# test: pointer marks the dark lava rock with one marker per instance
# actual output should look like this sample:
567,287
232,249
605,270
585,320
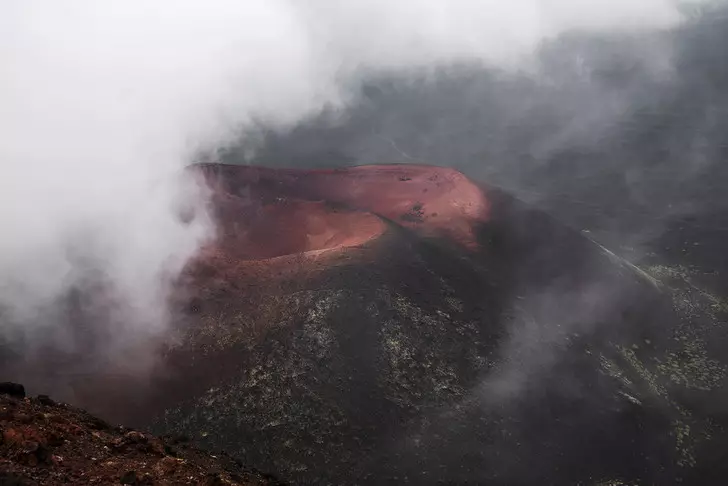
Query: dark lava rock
45,400
11,479
12,389
129,477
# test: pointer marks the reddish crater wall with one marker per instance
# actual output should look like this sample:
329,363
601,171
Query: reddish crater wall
264,212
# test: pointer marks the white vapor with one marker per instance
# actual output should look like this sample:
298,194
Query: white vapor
103,102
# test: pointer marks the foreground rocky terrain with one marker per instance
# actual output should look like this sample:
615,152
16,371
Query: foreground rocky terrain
48,443
404,325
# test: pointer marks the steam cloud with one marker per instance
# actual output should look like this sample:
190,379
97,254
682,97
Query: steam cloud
103,103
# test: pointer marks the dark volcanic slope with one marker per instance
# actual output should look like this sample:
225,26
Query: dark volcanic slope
46,443
519,354
399,324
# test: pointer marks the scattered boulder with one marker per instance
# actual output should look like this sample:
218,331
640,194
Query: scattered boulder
12,389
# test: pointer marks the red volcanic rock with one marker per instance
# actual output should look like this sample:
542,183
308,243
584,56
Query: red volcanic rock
45,443
275,225
287,227
267,205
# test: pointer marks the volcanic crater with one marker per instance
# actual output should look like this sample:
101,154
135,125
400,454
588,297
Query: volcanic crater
401,324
